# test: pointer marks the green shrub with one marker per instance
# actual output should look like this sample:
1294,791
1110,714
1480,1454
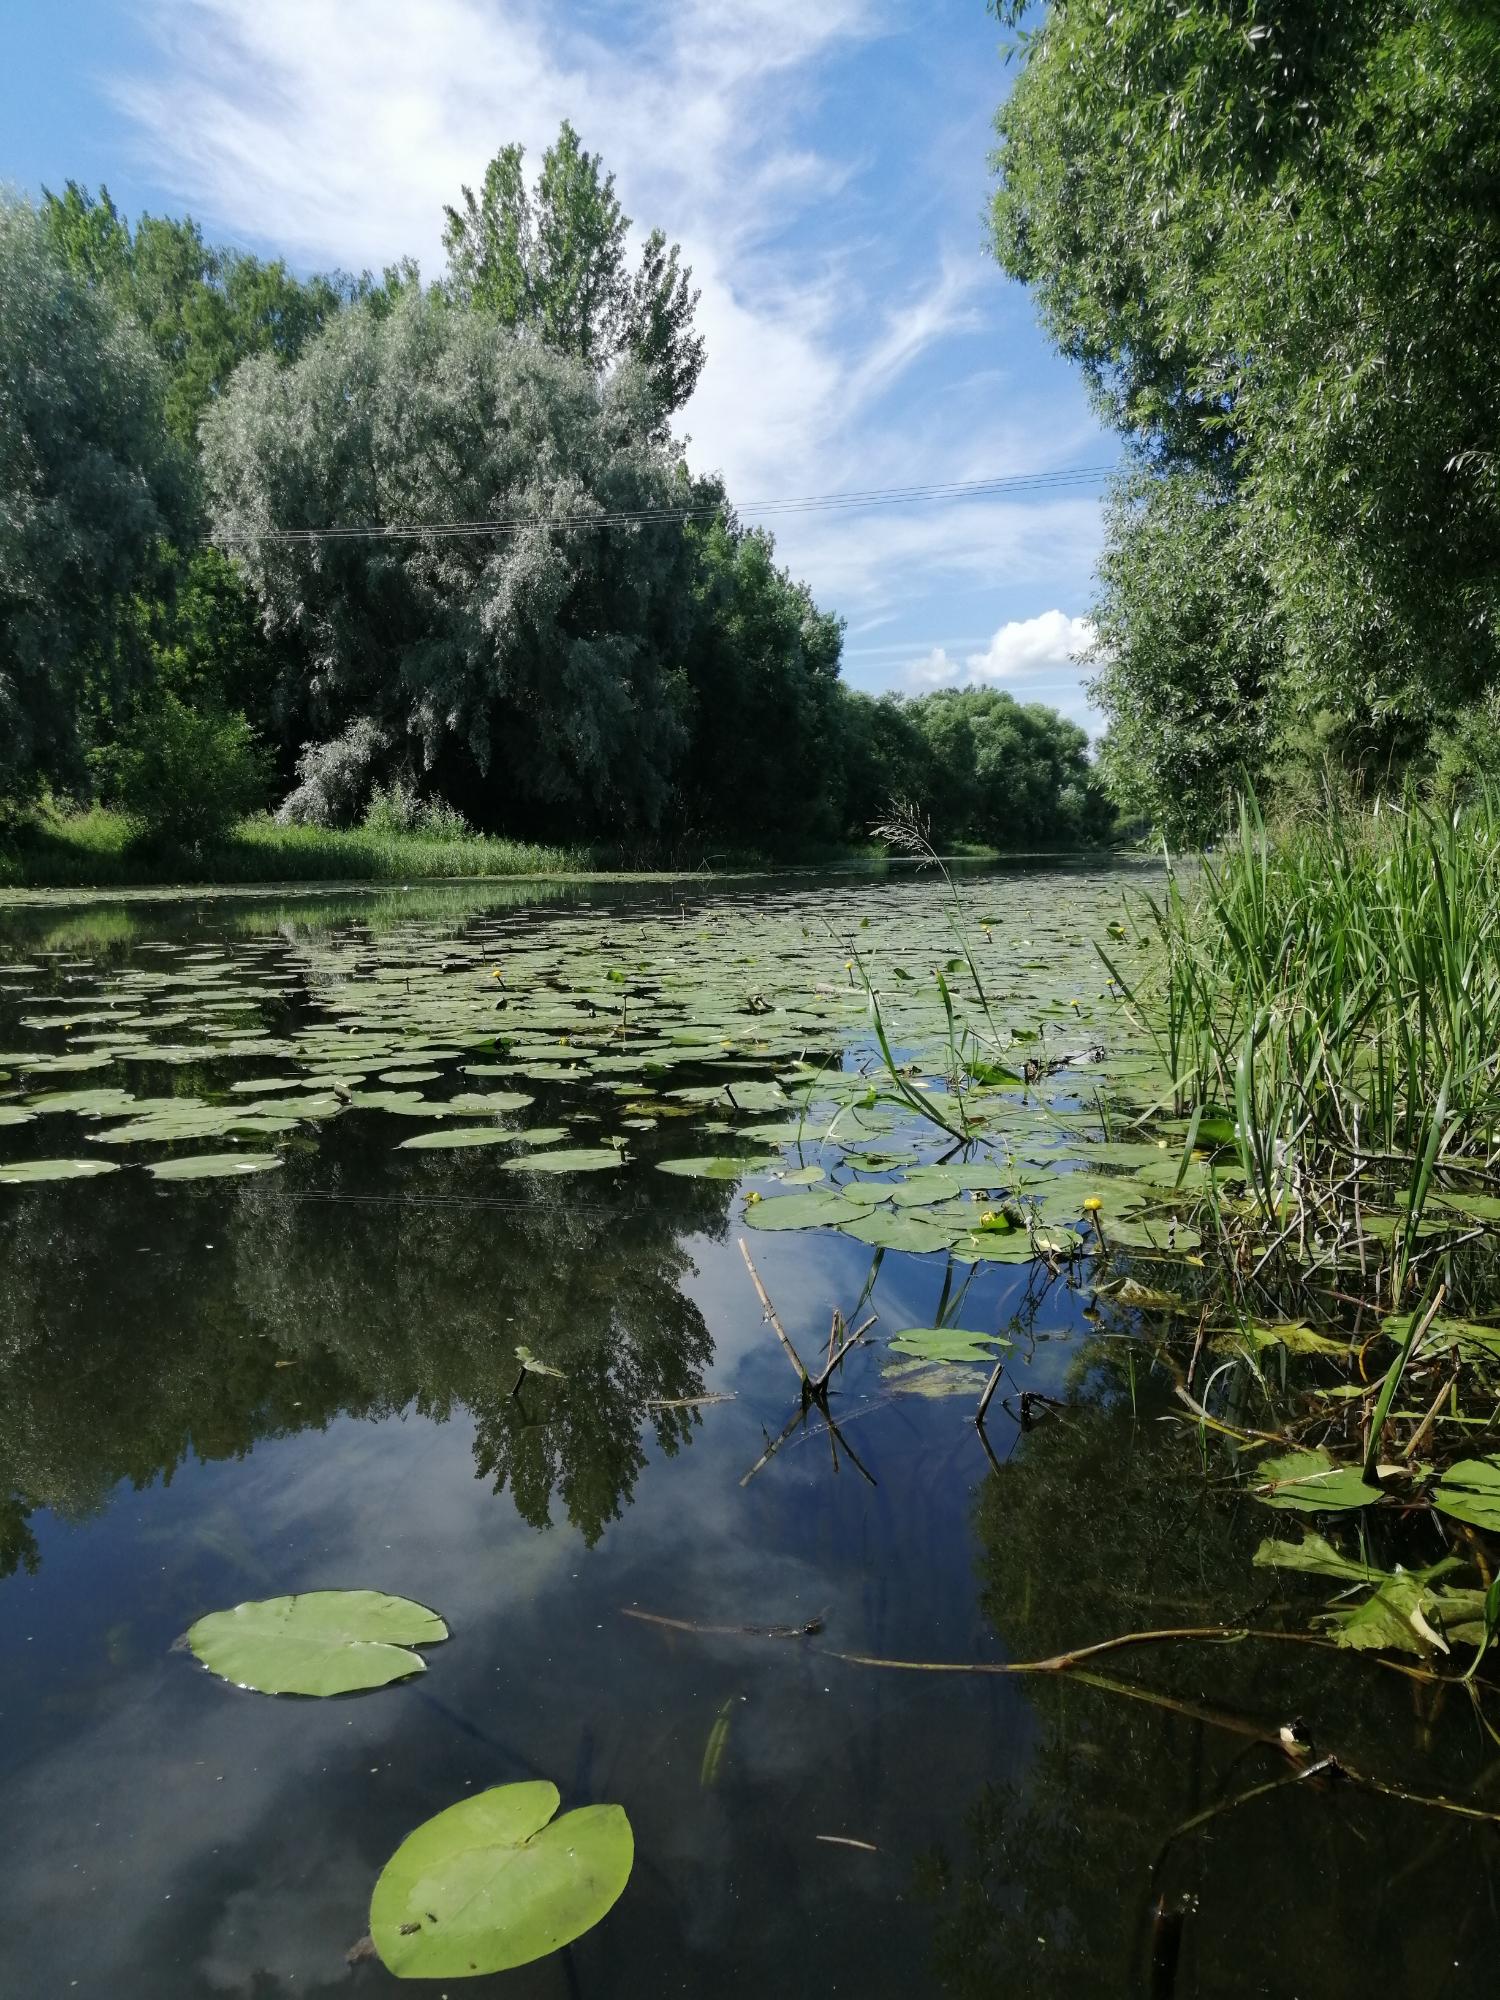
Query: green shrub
398,808
183,778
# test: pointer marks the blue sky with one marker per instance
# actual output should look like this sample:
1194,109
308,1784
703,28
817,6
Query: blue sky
824,163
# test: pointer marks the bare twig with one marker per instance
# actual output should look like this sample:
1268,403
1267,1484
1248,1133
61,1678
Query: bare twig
770,1312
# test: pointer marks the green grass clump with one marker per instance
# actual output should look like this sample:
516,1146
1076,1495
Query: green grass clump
1335,991
96,849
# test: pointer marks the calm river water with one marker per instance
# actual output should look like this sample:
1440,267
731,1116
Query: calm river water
230,1388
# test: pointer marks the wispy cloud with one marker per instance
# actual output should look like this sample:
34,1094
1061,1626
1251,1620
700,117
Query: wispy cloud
1032,658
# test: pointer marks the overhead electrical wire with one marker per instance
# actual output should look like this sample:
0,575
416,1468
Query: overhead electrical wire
882,496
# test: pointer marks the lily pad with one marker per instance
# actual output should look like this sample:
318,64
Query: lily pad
496,1881
320,1642
567,1160
447,1138
946,1343
214,1166
17,1171
720,1167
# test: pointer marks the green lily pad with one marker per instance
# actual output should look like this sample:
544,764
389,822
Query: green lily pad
720,1167
567,1160
447,1138
496,1881
320,1642
1312,1483
946,1343
214,1166
17,1171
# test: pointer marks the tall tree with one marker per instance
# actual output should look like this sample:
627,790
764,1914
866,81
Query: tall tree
203,308
1269,235
554,265
90,485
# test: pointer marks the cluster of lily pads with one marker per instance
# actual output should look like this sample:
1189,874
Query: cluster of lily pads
492,1882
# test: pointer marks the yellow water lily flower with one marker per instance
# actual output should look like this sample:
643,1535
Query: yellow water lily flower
1092,1204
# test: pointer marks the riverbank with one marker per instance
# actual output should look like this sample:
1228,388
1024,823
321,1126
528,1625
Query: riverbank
95,850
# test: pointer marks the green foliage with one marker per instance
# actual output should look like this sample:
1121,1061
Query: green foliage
202,308
399,808
184,777
89,487
553,265
1270,241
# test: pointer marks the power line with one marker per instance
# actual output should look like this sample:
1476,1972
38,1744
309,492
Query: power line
880,496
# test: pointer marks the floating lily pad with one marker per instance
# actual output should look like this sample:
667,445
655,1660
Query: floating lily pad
453,1137
947,1343
214,1166
320,1642
496,1881
720,1167
17,1171
567,1160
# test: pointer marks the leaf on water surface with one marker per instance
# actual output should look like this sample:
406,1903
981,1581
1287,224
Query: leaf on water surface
1470,1491
817,1208
720,1167
1312,1483
893,1229
496,1881
453,1137
17,1171
1294,1334
214,1166
489,1100
320,1642
1403,1614
947,1343
568,1160
1461,1333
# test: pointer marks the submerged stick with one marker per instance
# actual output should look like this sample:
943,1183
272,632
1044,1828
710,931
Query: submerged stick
807,1631
989,1389
770,1312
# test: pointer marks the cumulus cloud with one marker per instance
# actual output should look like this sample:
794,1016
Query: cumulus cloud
1035,659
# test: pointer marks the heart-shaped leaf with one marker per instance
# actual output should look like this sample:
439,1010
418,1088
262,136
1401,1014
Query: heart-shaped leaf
320,1642
496,1881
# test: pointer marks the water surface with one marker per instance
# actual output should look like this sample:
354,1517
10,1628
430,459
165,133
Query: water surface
224,1389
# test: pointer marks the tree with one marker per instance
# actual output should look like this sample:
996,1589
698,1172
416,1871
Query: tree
204,309
1005,773
765,757
90,486
533,674
554,266
1269,236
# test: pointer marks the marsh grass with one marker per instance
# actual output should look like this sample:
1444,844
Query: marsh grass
96,849
1330,999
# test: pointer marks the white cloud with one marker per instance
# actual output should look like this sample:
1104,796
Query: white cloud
1027,647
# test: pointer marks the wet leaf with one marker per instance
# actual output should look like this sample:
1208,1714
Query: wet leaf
496,1881
320,1642
1312,1483
947,1343
214,1166
1470,1491
18,1171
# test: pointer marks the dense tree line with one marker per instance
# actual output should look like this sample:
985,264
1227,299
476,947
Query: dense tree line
1270,236
602,651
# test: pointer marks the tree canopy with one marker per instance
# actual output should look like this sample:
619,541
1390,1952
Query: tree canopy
554,265
90,484
1269,236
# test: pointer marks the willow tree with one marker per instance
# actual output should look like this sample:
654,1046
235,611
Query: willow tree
90,484
1269,235
526,669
